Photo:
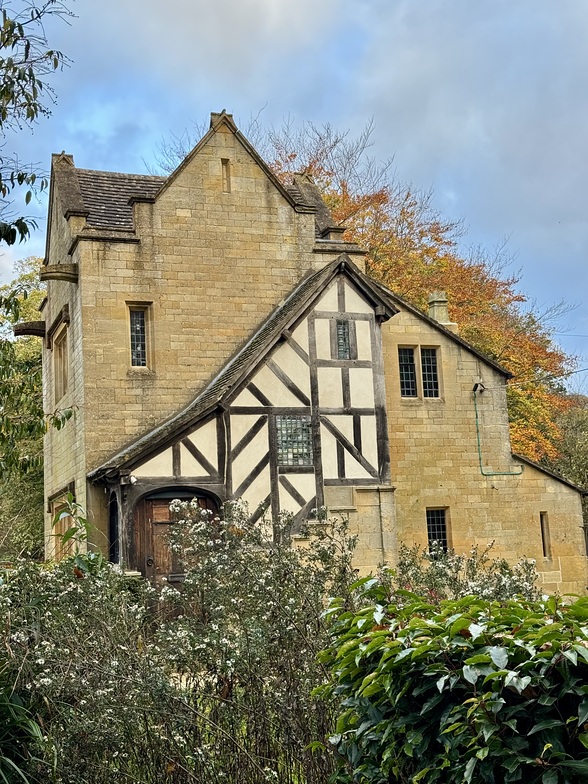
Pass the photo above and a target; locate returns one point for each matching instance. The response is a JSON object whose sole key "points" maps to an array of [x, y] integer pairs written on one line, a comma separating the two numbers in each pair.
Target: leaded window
{"points": [[294, 440], [343, 340], [429, 372], [408, 382], [437, 530], [138, 338], [60, 364]]}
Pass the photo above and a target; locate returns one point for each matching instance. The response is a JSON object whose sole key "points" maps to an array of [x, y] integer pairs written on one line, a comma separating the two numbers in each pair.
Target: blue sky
{"points": [[483, 102]]}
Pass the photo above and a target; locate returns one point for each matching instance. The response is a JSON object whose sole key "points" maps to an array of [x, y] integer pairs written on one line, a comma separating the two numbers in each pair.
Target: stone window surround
{"points": [[146, 307], [419, 373], [438, 529]]}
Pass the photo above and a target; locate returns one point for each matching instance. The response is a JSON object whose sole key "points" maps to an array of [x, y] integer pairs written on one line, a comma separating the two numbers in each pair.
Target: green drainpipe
{"points": [[479, 388]]}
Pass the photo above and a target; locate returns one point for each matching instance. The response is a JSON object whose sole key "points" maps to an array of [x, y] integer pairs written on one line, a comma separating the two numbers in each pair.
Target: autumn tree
{"points": [[414, 250], [26, 64]]}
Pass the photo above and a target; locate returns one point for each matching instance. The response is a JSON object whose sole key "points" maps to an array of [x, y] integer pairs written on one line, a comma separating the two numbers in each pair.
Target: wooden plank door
{"points": [[152, 554]]}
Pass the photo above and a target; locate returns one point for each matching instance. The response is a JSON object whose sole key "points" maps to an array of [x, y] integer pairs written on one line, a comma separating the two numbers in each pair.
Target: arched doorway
{"points": [[150, 553]]}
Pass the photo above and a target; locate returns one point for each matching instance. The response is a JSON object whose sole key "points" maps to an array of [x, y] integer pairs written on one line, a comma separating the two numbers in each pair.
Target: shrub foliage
{"points": [[470, 690], [207, 681]]}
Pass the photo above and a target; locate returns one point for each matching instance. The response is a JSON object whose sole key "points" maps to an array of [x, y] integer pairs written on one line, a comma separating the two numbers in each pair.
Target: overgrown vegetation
{"points": [[469, 691], [22, 423], [209, 680], [26, 64], [435, 575]]}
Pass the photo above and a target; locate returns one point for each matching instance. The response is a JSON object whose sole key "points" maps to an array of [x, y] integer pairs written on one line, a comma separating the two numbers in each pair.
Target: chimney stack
{"points": [[438, 310]]}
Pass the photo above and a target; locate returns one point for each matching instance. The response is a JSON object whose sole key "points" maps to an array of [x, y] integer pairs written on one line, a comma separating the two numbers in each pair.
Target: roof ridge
{"points": [[158, 177]]}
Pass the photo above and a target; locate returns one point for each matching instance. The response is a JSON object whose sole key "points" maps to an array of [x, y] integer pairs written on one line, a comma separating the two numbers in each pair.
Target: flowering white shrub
{"points": [[207, 681], [436, 574]]}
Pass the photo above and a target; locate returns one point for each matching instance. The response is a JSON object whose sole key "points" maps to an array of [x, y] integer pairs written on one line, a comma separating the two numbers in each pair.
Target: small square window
{"points": [[138, 325], [60, 364], [408, 382], [294, 440], [437, 529]]}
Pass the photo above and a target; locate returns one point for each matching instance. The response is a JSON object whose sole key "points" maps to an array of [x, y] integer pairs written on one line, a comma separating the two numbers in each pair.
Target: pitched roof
{"points": [[399, 301], [105, 199], [107, 196], [252, 352], [553, 474]]}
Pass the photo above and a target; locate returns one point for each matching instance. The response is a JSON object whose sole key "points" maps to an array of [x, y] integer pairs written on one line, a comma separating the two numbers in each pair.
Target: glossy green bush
{"points": [[465, 691]]}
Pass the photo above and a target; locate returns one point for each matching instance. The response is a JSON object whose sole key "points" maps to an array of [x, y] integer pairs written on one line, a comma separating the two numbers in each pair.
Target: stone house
{"points": [[219, 339]]}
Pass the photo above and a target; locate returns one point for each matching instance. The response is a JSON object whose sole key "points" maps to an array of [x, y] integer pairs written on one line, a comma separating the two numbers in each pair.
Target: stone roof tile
{"points": [[106, 196]]}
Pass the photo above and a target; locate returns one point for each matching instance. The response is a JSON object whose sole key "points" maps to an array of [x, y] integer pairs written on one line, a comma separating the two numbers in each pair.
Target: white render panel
{"points": [[344, 424], [329, 300], [329, 454], [287, 503], [257, 491], [244, 463], [300, 335], [353, 470], [245, 398], [330, 387], [189, 465], [304, 483], [293, 366], [364, 340], [205, 439], [275, 391], [160, 465], [322, 328], [369, 440], [354, 303], [240, 425], [361, 385]]}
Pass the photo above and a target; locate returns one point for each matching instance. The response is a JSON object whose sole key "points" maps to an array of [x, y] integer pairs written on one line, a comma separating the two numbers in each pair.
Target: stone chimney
{"points": [[438, 310]]}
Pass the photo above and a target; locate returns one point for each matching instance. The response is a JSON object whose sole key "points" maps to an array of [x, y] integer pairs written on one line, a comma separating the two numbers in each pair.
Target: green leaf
{"points": [[476, 631], [469, 769], [471, 674], [545, 725], [572, 656], [499, 656], [583, 738], [550, 777]]}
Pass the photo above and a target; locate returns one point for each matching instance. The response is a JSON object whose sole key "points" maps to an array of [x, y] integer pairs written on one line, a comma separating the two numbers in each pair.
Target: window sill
{"points": [[413, 401], [140, 372]]}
